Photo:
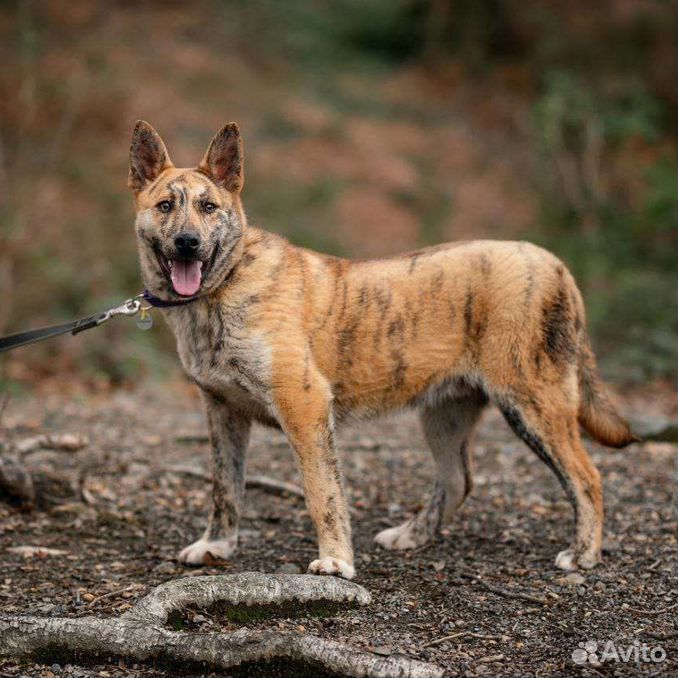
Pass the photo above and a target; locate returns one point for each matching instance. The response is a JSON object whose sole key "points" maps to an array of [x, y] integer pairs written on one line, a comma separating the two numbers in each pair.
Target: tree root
{"points": [[251, 481], [247, 588], [140, 633], [31, 488], [273, 485], [28, 489], [515, 595], [16, 483]]}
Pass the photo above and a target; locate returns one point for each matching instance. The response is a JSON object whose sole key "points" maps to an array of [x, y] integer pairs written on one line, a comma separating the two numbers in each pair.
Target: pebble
{"points": [[572, 579], [289, 568]]}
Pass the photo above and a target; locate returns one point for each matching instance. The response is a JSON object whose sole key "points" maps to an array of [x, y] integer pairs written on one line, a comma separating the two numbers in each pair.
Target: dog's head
{"points": [[189, 222]]}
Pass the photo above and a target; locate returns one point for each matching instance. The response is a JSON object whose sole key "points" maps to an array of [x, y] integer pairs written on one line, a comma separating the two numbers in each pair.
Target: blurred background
{"points": [[371, 127]]}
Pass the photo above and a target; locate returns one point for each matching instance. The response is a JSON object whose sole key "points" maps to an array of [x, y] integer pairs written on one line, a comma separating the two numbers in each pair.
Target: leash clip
{"points": [[129, 307]]}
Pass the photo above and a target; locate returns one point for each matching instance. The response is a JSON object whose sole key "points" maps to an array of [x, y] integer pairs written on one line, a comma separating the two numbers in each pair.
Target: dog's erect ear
{"points": [[224, 157], [147, 156]]}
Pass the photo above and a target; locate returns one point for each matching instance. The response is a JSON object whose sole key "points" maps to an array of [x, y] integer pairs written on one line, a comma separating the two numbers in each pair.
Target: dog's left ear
{"points": [[224, 159]]}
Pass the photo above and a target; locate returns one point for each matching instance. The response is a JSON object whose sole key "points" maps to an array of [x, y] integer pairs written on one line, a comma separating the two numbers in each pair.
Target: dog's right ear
{"points": [[147, 156]]}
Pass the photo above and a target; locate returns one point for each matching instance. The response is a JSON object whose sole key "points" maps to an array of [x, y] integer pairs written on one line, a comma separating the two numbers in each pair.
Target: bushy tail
{"points": [[597, 414]]}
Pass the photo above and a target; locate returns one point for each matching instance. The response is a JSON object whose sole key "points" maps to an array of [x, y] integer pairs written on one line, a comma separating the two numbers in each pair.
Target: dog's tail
{"points": [[597, 414]]}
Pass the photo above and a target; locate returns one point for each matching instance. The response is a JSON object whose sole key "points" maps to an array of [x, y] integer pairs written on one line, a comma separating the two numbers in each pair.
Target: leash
{"points": [[129, 308]]}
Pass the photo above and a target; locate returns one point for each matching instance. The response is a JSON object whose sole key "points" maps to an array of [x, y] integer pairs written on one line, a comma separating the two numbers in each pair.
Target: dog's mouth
{"points": [[185, 275]]}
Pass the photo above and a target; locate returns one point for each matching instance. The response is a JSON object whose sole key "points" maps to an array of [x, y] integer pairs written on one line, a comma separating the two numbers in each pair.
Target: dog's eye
{"points": [[165, 206], [209, 207]]}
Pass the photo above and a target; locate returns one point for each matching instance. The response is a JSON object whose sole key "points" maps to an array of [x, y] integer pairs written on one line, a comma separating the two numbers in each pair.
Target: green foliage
{"points": [[624, 254]]}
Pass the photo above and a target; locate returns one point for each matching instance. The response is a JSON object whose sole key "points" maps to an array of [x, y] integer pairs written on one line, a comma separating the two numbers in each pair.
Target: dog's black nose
{"points": [[187, 243]]}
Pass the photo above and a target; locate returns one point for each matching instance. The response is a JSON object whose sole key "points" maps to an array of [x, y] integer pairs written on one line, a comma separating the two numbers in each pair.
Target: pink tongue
{"points": [[186, 277]]}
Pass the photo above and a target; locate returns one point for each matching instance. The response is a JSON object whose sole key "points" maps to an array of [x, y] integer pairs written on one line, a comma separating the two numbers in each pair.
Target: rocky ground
{"points": [[484, 599]]}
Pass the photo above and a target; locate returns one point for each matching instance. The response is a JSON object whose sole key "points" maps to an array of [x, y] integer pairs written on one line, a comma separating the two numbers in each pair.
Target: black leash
{"points": [[130, 307]]}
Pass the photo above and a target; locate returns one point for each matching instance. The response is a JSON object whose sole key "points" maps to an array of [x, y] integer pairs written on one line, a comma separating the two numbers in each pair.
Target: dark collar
{"points": [[157, 302]]}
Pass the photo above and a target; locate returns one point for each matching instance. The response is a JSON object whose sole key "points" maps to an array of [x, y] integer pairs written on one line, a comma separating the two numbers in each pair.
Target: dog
{"points": [[302, 341]]}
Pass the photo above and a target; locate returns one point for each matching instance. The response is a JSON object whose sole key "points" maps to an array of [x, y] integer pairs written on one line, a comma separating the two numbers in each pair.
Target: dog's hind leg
{"points": [[549, 427], [448, 427], [229, 436]]}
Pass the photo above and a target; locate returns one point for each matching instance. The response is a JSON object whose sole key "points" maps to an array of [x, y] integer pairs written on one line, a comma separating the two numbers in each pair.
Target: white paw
{"points": [[219, 549], [568, 560], [336, 566], [397, 538]]}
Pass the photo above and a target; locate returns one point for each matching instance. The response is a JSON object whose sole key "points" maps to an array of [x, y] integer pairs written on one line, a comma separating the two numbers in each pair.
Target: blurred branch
{"points": [[5, 251]]}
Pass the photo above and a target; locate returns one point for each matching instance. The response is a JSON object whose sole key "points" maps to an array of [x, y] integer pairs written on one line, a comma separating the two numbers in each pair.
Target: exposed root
{"points": [[248, 588], [30, 488], [274, 486], [514, 595], [256, 481], [140, 633], [16, 482]]}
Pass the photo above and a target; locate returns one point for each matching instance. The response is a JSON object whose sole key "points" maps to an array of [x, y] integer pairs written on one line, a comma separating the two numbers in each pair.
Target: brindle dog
{"points": [[291, 338]]}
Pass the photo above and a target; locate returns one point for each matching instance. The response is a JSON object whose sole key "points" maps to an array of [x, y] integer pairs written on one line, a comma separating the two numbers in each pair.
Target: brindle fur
{"points": [[288, 337]]}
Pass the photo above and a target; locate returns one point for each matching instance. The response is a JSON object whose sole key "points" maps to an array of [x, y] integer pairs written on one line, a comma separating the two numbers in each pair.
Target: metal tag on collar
{"points": [[145, 319]]}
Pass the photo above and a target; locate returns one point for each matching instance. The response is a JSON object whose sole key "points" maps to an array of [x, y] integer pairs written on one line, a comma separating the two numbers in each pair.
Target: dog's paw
{"points": [[398, 538], [335, 566], [202, 551], [569, 560]]}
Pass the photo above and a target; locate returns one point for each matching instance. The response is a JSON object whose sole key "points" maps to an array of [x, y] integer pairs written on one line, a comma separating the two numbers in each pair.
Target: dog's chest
{"points": [[220, 353]]}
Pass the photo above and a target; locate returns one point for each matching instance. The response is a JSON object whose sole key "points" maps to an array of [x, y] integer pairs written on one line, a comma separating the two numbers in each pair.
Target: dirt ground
{"points": [[124, 539]]}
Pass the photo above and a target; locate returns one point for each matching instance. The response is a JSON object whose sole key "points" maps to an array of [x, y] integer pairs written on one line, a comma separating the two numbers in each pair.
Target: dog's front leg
{"points": [[229, 436], [306, 416]]}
